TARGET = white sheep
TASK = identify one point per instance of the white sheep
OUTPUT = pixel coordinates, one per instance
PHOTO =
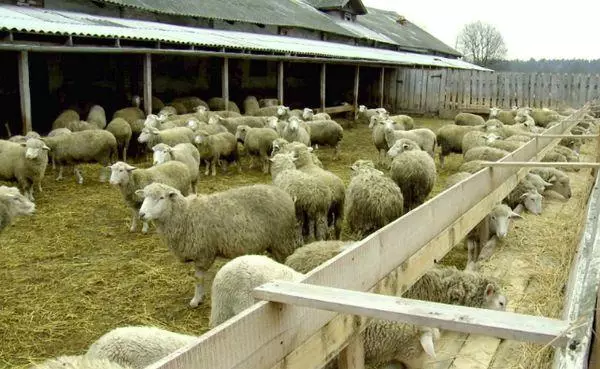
(326, 133)
(219, 147)
(364, 115)
(250, 105)
(25, 162)
(309, 114)
(171, 136)
(137, 346)
(526, 194)
(377, 125)
(97, 116)
(185, 153)
(505, 116)
(309, 256)
(242, 220)
(424, 137)
(210, 129)
(561, 183)
(258, 142)
(129, 179)
(294, 132)
(468, 119)
(78, 362)
(121, 129)
(232, 123)
(285, 113)
(12, 205)
(234, 282)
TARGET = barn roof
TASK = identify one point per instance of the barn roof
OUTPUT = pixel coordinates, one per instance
(54, 22)
(355, 5)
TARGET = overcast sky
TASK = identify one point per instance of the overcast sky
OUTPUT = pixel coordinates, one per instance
(531, 28)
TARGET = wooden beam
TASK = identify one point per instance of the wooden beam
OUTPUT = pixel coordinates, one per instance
(323, 85)
(24, 92)
(502, 324)
(540, 164)
(381, 86)
(148, 83)
(335, 109)
(356, 85)
(353, 356)
(225, 82)
(566, 136)
(280, 82)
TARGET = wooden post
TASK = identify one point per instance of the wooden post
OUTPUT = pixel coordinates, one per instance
(484, 236)
(323, 85)
(381, 86)
(594, 362)
(356, 81)
(280, 77)
(225, 82)
(148, 83)
(595, 171)
(353, 356)
(25, 92)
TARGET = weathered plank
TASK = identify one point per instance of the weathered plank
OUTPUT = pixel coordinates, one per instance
(24, 92)
(323, 85)
(280, 81)
(356, 86)
(540, 164)
(148, 83)
(225, 82)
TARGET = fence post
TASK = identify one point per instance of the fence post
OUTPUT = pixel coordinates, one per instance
(353, 356)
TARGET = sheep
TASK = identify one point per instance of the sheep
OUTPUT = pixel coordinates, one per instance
(505, 145)
(308, 257)
(218, 147)
(159, 122)
(190, 103)
(306, 164)
(59, 131)
(424, 137)
(28, 135)
(97, 116)
(477, 138)
(364, 115)
(505, 116)
(210, 129)
(308, 114)
(449, 137)
(537, 181)
(24, 162)
(83, 147)
(122, 132)
(517, 129)
(242, 220)
(523, 117)
(327, 133)
(257, 142)
(13, 205)
(572, 143)
(130, 114)
(204, 115)
(484, 153)
(268, 102)
(472, 166)
(232, 123)
(267, 111)
(312, 199)
(405, 121)
(570, 154)
(294, 132)
(171, 136)
(250, 105)
(468, 119)
(518, 138)
(456, 177)
(137, 347)
(279, 145)
(232, 287)
(167, 111)
(284, 112)
(185, 153)
(218, 103)
(78, 362)
(543, 117)
(372, 200)
(65, 118)
(413, 170)
(129, 179)
(559, 180)
(378, 135)
(81, 125)
(525, 193)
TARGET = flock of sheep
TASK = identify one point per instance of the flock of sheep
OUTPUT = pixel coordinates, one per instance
(298, 218)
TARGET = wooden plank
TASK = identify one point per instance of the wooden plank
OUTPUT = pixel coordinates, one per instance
(25, 92)
(335, 109)
(323, 85)
(148, 83)
(566, 136)
(381, 86)
(356, 85)
(502, 324)
(540, 164)
(225, 82)
(595, 350)
(493, 83)
(443, 92)
(280, 82)
(353, 356)
(418, 86)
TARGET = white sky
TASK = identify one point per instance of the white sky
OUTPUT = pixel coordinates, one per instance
(531, 28)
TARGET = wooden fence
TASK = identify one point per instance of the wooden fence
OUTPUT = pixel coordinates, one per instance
(425, 90)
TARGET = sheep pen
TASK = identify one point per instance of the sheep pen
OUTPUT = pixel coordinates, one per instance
(73, 264)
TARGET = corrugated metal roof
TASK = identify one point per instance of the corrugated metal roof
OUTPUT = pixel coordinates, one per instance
(45, 21)
(334, 4)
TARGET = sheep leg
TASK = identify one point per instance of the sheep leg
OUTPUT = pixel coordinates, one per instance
(103, 173)
(125, 152)
(145, 227)
(207, 163)
(60, 173)
(78, 175)
(251, 162)
(134, 219)
(214, 166)
(336, 151)
(265, 162)
(472, 255)
(442, 157)
(199, 290)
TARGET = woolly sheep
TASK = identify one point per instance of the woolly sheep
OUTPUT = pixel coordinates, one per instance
(185, 153)
(308, 257)
(449, 137)
(190, 103)
(267, 111)
(250, 105)
(523, 117)
(130, 114)
(477, 138)
(128, 179)
(242, 220)
(468, 119)
(456, 177)
(525, 193)
(137, 346)
(218, 103)
(24, 162)
(219, 147)
(505, 116)
(97, 116)
(506, 145)
(372, 200)
(171, 136)
(484, 153)
(207, 128)
(13, 205)
(279, 145)
(65, 118)
(559, 180)
(233, 284)
(424, 137)
(572, 143)
(232, 123)
(162, 122)
(285, 113)
(203, 114)
(378, 134)
(306, 164)
(294, 132)
(543, 117)
(268, 102)
(327, 133)
(257, 142)
(309, 114)
(413, 170)
(405, 121)
(570, 154)
(167, 111)
(122, 132)
(78, 362)
(472, 166)
(28, 135)
(364, 115)
(537, 181)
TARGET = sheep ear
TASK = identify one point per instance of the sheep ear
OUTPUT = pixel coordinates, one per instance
(310, 149)
(139, 193)
(352, 167)
(154, 130)
(514, 215)
(489, 290)
(271, 160)
(426, 340)
(129, 168)
(405, 146)
(23, 144)
(553, 179)
(171, 194)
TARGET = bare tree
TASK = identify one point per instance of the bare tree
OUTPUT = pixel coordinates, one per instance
(481, 43)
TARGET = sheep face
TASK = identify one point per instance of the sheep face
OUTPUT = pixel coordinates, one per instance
(282, 110)
(375, 119)
(147, 134)
(561, 186)
(491, 137)
(281, 162)
(278, 145)
(494, 299)
(362, 108)
(18, 204)
(240, 133)
(293, 125)
(200, 108)
(152, 120)
(499, 219)
(272, 123)
(161, 154)
(401, 146)
(193, 125)
(156, 203)
(307, 114)
(119, 173)
(532, 202)
(494, 112)
(215, 119)
(199, 139)
(35, 148)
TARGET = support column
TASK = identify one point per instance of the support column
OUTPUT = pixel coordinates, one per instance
(356, 81)
(225, 82)
(148, 84)
(323, 85)
(25, 92)
(280, 78)
(381, 86)
(353, 356)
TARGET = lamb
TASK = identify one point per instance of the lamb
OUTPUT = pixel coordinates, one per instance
(218, 147)
(413, 170)
(171, 136)
(242, 220)
(232, 123)
(308, 257)
(572, 143)
(468, 119)
(477, 138)
(250, 105)
(218, 103)
(537, 181)
(24, 162)
(484, 153)
(308, 114)
(525, 193)
(456, 177)
(78, 362)
(185, 153)
(559, 180)
(378, 134)
(284, 113)
(306, 164)
(294, 132)
(505, 116)
(258, 142)
(97, 116)
(423, 137)
(364, 115)
(268, 102)
(372, 200)
(129, 179)
(13, 205)
(83, 147)
(136, 347)
(312, 199)
(233, 284)
(65, 118)
(327, 133)
(122, 132)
